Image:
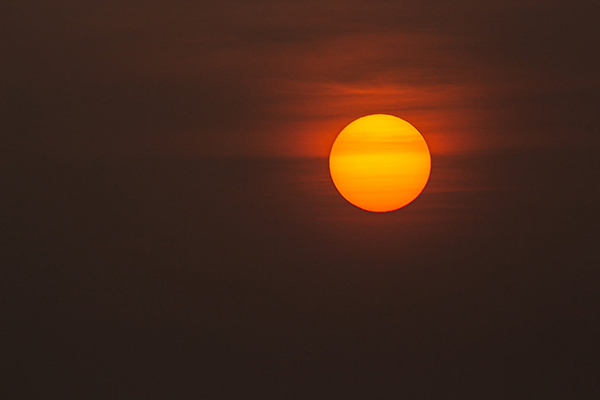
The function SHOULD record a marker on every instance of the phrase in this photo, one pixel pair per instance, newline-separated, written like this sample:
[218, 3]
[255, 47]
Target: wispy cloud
[282, 78]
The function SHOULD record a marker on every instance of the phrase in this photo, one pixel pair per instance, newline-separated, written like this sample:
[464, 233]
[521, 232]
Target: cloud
[281, 78]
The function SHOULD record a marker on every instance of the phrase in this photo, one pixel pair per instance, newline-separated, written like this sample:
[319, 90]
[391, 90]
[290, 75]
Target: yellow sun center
[380, 163]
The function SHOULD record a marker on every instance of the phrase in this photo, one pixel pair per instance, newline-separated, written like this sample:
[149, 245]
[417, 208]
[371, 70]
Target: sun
[380, 163]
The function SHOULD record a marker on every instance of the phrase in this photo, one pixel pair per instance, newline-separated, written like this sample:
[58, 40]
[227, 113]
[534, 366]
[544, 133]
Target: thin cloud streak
[281, 79]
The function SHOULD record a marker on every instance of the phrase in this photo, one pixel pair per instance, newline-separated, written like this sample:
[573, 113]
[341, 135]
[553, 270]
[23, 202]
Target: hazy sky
[283, 78]
[207, 275]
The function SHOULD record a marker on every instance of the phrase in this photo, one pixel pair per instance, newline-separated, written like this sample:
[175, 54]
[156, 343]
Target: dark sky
[282, 78]
[170, 229]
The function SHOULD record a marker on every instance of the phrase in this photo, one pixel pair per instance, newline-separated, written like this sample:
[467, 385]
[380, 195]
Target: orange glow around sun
[380, 163]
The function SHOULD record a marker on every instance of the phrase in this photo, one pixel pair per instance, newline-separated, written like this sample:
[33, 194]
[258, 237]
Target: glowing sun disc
[380, 163]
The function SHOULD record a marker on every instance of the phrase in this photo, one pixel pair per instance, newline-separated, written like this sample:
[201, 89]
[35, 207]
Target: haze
[170, 229]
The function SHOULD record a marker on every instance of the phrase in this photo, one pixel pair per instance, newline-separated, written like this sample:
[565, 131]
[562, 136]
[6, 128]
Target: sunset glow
[380, 163]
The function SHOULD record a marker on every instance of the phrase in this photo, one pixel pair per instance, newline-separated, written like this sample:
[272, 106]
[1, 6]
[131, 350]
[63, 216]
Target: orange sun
[380, 163]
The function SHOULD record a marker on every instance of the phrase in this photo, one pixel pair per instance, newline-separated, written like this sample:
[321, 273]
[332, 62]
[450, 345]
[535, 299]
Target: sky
[280, 79]
[170, 228]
